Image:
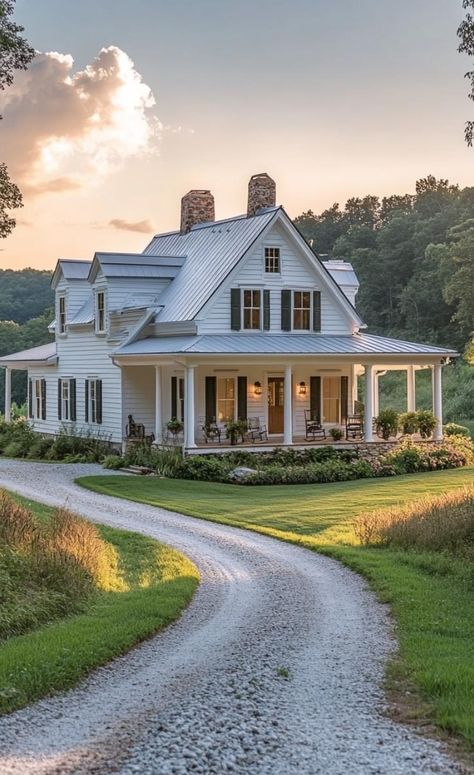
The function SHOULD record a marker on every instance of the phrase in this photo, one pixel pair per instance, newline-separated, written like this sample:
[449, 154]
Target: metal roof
[137, 265]
[84, 315]
[44, 352]
[74, 269]
[342, 272]
[311, 344]
[212, 250]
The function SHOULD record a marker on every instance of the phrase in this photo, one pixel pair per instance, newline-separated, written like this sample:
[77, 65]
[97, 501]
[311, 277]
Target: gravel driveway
[275, 667]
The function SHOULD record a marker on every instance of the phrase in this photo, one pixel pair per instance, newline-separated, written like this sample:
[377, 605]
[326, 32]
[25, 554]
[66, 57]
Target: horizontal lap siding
[296, 273]
[138, 396]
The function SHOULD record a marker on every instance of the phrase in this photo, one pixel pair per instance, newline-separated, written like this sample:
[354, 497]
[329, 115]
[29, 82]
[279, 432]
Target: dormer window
[272, 260]
[100, 312]
[62, 315]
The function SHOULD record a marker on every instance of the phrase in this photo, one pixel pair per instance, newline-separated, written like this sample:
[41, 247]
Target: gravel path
[274, 669]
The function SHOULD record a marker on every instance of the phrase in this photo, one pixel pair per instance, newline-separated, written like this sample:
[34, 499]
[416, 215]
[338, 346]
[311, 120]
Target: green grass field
[431, 595]
[157, 583]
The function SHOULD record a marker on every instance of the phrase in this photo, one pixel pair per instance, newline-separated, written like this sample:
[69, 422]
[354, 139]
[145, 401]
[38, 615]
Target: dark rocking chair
[313, 428]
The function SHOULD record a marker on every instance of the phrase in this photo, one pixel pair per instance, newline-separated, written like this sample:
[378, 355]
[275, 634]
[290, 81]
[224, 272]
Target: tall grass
[49, 570]
[442, 523]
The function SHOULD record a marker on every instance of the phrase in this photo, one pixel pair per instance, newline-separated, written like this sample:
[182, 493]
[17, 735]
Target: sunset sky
[133, 103]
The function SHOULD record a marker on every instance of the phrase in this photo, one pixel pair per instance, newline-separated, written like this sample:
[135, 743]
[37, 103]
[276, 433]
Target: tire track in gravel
[274, 669]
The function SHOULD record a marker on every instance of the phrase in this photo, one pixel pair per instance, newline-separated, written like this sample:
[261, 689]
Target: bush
[336, 434]
[387, 423]
[426, 423]
[113, 462]
[453, 429]
[408, 423]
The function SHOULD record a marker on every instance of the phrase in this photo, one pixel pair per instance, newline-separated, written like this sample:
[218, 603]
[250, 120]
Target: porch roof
[281, 344]
[44, 354]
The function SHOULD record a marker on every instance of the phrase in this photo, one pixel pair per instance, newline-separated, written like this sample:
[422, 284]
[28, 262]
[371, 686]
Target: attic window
[62, 315]
[272, 260]
[100, 313]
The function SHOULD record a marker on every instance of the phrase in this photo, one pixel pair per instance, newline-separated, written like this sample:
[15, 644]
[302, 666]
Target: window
[62, 315]
[272, 260]
[301, 310]
[225, 399]
[331, 399]
[40, 399]
[252, 309]
[177, 398]
[67, 399]
[93, 405]
[100, 313]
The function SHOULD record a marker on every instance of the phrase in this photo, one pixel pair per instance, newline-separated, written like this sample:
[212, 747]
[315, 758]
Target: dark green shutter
[98, 401]
[86, 400]
[266, 310]
[30, 398]
[315, 398]
[344, 397]
[59, 399]
[242, 398]
[286, 310]
[211, 399]
[43, 399]
[235, 309]
[316, 310]
[174, 403]
[72, 400]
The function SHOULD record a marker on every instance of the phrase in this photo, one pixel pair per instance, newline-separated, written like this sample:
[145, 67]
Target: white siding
[296, 273]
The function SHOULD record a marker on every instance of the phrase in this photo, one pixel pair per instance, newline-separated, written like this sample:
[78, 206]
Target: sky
[129, 105]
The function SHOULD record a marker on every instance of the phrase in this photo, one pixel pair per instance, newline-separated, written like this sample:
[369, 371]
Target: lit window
[62, 315]
[65, 399]
[301, 310]
[272, 260]
[40, 399]
[252, 309]
[100, 310]
[95, 401]
[225, 399]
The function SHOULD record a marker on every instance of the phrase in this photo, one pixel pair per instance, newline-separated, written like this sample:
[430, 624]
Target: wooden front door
[276, 392]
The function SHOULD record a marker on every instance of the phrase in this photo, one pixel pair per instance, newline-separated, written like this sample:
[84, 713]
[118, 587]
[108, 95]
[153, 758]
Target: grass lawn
[157, 583]
[431, 595]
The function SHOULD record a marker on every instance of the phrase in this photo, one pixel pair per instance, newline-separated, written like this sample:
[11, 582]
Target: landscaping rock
[240, 473]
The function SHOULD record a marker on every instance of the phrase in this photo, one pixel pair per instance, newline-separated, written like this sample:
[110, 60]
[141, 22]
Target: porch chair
[211, 431]
[313, 428]
[256, 431]
[354, 426]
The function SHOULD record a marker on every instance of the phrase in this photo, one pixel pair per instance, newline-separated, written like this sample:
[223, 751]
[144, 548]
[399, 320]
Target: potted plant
[387, 423]
[408, 423]
[336, 434]
[426, 423]
[174, 426]
[236, 429]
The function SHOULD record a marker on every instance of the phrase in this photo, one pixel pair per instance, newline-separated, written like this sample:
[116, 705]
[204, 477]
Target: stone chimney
[196, 207]
[262, 193]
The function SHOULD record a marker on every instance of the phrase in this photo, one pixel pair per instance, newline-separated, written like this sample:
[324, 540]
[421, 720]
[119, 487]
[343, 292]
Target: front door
[276, 392]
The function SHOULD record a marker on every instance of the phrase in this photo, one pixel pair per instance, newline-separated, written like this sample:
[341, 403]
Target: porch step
[137, 470]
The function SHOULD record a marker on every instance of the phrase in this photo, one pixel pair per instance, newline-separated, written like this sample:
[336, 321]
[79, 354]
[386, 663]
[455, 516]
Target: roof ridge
[209, 224]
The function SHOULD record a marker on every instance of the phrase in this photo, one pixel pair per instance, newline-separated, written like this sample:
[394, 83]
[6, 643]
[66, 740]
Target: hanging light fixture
[302, 389]
[257, 388]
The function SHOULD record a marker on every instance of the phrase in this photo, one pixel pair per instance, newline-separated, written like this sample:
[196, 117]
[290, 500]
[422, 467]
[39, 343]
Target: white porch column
[411, 389]
[368, 403]
[376, 394]
[8, 394]
[288, 408]
[354, 389]
[158, 406]
[437, 401]
[189, 432]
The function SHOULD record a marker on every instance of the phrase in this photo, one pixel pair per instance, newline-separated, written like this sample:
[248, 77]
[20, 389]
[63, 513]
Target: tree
[466, 35]
[15, 54]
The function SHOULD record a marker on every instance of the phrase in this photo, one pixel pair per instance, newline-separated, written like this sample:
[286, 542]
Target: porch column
[437, 401]
[368, 403]
[158, 406]
[354, 389]
[189, 433]
[411, 389]
[8, 394]
[376, 394]
[288, 408]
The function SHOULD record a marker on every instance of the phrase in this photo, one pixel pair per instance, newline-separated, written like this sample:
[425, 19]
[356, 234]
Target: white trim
[310, 327]
[243, 308]
[271, 246]
[97, 312]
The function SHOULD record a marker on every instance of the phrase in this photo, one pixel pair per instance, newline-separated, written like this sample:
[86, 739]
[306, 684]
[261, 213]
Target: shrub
[387, 423]
[336, 434]
[426, 423]
[113, 462]
[443, 523]
[453, 429]
[408, 423]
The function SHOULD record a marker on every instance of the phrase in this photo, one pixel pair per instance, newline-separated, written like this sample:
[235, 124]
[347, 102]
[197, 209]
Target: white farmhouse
[219, 321]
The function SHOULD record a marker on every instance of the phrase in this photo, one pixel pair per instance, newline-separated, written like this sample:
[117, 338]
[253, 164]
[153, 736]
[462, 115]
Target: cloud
[63, 130]
[144, 227]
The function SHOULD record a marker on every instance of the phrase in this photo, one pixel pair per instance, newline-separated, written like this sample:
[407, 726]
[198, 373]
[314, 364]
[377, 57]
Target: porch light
[302, 389]
[257, 388]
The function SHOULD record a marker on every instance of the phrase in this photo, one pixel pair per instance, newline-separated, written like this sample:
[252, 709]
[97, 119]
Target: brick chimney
[196, 207]
[262, 193]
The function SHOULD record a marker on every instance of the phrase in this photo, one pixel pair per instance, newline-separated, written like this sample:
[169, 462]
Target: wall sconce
[257, 388]
[302, 389]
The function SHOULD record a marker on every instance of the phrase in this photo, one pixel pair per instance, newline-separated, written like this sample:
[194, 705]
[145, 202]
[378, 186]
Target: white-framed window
[226, 399]
[100, 319]
[93, 409]
[177, 398]
[301, 310]
[272, 260]
[62, 315]
[252, 309]
[40, 399]
[65, 399]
